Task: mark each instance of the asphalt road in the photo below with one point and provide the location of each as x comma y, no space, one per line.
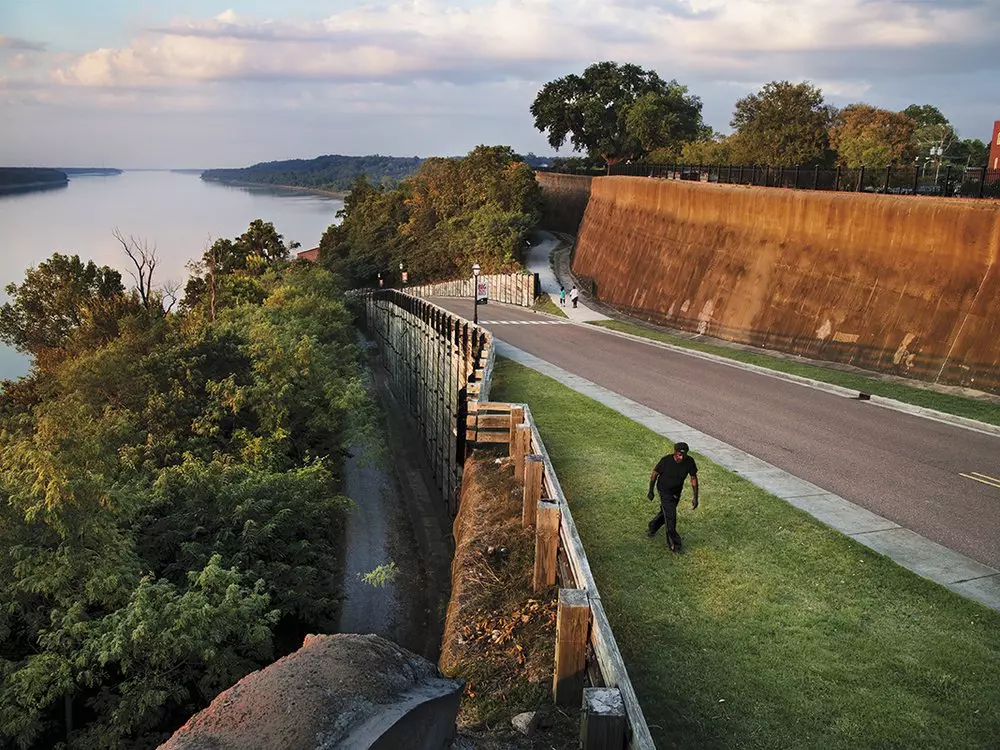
903,467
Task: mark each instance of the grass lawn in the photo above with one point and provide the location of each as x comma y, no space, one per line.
770,630
545,304
958,405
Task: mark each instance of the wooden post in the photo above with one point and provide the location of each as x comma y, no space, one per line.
521,448
516,417
546,545
603,724
572,629
534,467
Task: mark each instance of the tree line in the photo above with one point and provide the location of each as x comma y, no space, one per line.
331,172
170,507
620,112
452,213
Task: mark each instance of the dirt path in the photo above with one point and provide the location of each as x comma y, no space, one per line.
398,518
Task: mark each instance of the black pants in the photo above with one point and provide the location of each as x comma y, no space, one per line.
668,516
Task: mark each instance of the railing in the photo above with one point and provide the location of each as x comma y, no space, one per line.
560,557
510,288
944,180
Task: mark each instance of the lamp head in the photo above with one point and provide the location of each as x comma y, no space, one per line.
475,269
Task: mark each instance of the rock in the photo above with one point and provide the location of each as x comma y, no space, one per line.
526,723
337,691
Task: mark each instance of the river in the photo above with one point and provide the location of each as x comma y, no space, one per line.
177,212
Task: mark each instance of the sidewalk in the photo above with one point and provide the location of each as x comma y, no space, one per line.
537,261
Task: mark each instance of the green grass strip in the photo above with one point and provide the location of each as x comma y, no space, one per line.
770,630
971,408
545,304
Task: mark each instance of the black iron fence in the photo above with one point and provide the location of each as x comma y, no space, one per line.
944,180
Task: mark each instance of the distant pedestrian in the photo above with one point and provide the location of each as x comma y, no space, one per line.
668,478
562,296
574,295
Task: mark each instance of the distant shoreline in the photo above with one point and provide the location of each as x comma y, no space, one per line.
315,191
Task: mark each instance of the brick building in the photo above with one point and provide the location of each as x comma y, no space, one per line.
995,147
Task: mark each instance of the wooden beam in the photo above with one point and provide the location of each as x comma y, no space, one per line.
546,545
520,449
533,468
602,726
572,637
516,417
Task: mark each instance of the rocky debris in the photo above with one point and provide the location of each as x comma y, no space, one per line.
337,691
526,723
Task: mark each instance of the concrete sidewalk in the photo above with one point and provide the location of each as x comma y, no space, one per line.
954,570
537,261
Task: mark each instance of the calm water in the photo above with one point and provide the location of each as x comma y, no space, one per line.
178,213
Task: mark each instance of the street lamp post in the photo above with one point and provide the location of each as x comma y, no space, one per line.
402,274
475,294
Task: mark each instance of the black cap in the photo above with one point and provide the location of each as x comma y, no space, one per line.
681,448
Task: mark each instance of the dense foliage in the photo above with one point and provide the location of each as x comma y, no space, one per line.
450,214
617,112
169,507
331,172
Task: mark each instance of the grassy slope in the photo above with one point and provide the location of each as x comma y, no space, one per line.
771,630
964,407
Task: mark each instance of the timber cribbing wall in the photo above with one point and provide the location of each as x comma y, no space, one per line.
905,285
511,288
436,363
565,199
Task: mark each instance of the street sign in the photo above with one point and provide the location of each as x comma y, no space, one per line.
482,292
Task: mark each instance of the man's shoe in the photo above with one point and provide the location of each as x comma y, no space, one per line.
671,545
650,533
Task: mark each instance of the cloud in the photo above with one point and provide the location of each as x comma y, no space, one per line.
15,43
524,39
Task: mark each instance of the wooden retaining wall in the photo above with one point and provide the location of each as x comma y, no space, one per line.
589,672
437,363
511,288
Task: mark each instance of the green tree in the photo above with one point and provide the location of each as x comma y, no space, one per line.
714,150
617,112
53,301
783,124
864,135
970,152
933,131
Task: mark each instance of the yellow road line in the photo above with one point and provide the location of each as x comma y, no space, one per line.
993,483
986,476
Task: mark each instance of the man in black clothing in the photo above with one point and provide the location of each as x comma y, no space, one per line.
668,478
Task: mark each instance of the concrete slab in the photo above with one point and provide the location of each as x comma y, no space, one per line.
924,557
984,590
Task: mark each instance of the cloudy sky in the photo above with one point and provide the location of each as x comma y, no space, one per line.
176,83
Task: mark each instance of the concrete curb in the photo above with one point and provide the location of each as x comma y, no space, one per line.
928,559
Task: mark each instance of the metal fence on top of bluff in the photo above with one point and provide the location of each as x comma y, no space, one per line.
929,180
943,181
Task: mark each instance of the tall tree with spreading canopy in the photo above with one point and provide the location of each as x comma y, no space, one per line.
867,136
783,124
617,111
933,130
53,301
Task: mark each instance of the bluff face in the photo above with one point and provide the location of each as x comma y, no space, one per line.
899,284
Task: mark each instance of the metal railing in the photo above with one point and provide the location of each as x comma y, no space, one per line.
931,180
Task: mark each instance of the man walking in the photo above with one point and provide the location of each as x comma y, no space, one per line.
574,295
668,478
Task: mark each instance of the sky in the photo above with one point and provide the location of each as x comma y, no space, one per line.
189,83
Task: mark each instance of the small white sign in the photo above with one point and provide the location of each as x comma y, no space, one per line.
481,291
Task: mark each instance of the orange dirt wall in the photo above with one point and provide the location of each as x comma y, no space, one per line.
565,199
901,284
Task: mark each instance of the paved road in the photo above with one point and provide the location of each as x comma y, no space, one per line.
905,468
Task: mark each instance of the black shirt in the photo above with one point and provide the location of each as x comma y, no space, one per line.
671,474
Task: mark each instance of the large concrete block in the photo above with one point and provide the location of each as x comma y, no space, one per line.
351,692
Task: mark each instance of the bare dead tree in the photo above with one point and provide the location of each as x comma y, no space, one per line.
144,259
171,293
